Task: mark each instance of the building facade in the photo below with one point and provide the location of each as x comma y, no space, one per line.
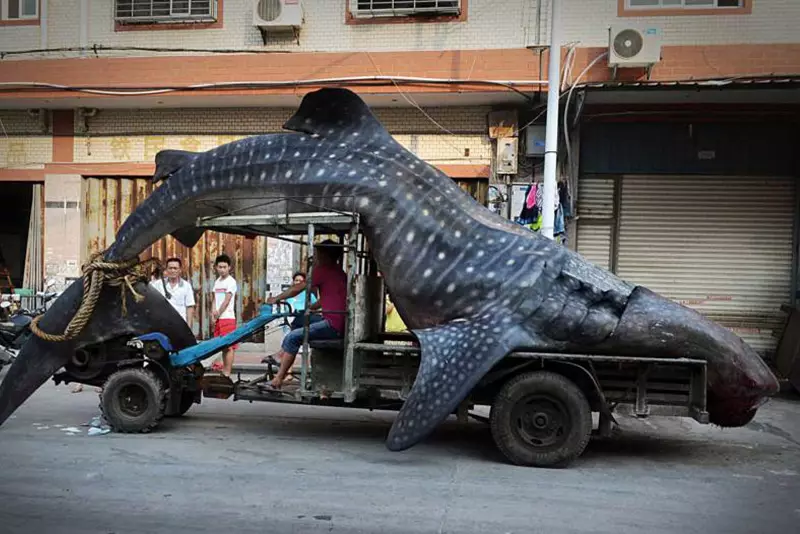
663,190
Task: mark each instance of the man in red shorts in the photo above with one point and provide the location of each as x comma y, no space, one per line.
223,314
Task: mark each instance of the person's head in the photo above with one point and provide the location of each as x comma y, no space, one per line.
222,265
156,274
328,252
173,270
298,278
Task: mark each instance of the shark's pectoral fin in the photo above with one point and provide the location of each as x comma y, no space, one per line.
455,356
189,235
169,161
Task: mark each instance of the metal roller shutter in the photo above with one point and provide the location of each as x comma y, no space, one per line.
595,209
720,245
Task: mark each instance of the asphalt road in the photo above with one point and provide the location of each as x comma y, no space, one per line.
262,468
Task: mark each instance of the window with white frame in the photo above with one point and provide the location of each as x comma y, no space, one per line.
20,9
403,8
156,11
683,4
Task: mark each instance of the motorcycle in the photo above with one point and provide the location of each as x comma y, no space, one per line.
15,331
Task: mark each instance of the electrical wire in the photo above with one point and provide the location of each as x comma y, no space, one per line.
141,91
102,48
569,97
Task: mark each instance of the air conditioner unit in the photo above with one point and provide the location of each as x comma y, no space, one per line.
277,15
630,46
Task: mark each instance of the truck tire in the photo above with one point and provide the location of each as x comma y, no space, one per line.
133,401
187,400
541,419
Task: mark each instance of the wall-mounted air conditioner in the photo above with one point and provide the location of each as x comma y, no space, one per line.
632,46
277,15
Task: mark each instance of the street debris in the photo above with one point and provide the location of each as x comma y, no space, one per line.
97,426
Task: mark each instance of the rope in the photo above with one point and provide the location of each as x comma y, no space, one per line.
96,274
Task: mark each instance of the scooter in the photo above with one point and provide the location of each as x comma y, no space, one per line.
16,330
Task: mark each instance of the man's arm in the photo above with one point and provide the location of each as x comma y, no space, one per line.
190,305
228,297
289,293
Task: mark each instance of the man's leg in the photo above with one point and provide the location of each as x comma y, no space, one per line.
289,347
227,361
317,331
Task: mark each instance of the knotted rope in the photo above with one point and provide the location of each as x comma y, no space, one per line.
96,274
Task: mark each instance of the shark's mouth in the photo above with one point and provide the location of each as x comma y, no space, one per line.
733,412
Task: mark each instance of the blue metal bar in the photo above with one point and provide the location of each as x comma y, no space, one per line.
205,349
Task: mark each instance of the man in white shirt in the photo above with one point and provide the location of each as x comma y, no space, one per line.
176,290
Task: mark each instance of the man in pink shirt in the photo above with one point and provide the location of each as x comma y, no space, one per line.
330,281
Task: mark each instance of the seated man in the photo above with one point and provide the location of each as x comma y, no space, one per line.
330,281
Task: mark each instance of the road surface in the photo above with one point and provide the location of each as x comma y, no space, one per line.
262,468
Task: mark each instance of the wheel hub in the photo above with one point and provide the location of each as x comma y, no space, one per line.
541,421
133,400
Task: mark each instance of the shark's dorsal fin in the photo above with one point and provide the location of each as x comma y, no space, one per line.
169,161
334,111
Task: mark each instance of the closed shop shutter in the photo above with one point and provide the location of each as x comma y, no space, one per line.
107,202
595,208
720,245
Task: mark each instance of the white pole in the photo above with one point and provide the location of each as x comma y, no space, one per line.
551,135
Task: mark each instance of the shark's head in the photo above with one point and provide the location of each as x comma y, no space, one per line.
739,381
39,359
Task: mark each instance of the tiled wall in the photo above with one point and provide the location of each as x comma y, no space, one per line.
122,135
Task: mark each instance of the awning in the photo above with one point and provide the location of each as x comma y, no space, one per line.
741,89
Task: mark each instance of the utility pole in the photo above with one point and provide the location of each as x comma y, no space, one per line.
551,132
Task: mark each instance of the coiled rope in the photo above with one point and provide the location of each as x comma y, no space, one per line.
96,274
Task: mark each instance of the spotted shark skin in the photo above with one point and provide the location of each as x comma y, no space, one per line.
471,285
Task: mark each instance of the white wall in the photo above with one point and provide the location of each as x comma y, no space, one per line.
772,21
490,24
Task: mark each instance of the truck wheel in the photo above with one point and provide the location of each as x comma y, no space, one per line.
187,400
133,400
541,419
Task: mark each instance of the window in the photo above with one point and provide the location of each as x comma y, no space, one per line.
169,11
20,9
403,8
646,8
683,4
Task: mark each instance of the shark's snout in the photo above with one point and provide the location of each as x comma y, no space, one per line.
739,381
39,359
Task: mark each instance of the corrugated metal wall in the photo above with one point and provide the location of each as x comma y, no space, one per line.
107,202
720,245
596,222
34,252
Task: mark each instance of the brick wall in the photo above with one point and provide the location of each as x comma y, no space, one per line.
22,142
64,22
14,38
518,23
487,26
771,21
122,135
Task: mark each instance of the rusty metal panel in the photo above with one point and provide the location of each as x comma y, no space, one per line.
107,203
33,272
476,188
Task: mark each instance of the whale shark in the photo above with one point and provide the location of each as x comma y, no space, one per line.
471,285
